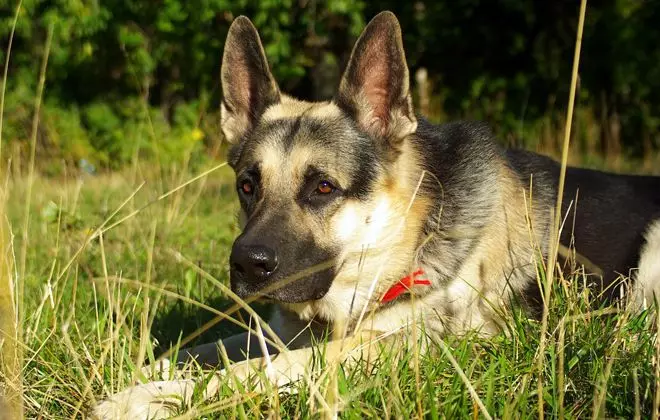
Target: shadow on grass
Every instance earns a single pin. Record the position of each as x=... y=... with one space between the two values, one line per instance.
x=182 y=319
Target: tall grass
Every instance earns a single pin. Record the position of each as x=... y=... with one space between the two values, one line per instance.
x=95 y=307
x=556 y=225
x=11 y=403
x=11 y=393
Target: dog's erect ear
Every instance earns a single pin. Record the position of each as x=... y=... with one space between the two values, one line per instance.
x=248 y=87
x=375 y=88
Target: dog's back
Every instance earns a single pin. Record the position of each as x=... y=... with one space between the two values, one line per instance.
x=605 y=215
x=605 y=222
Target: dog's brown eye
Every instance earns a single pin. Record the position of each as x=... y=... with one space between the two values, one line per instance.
x=247 y=187
x=325 y=187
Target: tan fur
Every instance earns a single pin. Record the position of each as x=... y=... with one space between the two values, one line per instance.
x=477 y=297
x=292 y=108
x=500 y=263
x=374 y=258
x=232 y=125
x=284 y=171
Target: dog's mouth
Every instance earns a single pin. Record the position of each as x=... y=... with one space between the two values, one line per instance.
x=296 y=288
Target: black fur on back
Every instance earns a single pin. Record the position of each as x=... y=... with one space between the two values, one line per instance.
x=608 y=213
x=606 y=224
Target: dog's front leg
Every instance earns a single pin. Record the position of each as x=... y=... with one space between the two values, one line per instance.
x=291 y=366
x=161 y=399
x=157 y=399
x=290 y=333
x=153 y=400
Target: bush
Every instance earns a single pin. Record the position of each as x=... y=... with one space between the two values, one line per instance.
x=507 y=62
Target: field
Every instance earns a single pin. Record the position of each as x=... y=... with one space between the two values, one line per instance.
x=110 y=268
x=114 y=268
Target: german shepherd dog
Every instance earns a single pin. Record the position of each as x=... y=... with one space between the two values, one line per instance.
x=359 y=215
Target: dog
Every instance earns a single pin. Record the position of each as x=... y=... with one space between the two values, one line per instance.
x=361 y=217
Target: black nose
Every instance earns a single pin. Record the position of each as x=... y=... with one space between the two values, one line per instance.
x=253 y=262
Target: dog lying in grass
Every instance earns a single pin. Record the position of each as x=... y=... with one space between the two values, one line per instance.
x=362 y=222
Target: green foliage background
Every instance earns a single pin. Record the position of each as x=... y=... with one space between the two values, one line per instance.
x=131 y=78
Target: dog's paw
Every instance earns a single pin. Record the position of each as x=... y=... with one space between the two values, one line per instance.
x=159 y=371
x=153 y=400
x=165 y=370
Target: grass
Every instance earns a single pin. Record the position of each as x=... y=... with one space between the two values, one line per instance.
x=109 y=277
x=94 y=309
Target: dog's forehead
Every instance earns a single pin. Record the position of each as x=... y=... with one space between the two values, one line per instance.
x=294 y=136
x=283 y=168
x=290 y=107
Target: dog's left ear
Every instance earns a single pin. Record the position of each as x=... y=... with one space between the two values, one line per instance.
x=375 y=87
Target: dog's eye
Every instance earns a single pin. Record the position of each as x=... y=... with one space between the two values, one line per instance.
x=318 y=190
x=325 y=187
x=247 y=188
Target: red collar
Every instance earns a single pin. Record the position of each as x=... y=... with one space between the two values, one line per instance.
x=404 y=286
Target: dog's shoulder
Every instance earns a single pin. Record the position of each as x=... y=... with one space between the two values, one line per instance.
x=526 y=163
x=459 y=150
x=466 y=136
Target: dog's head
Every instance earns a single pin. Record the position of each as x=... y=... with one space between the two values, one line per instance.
x=324 y=187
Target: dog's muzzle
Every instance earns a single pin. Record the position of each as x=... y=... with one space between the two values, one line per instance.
x=252 y=264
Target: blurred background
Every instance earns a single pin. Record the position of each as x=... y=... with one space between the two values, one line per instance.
x=129 y=79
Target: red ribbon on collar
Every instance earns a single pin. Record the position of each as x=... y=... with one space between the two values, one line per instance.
x=404 y=286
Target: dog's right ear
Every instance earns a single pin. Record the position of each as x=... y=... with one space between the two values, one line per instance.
x=248 y=87
x=375 y=88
